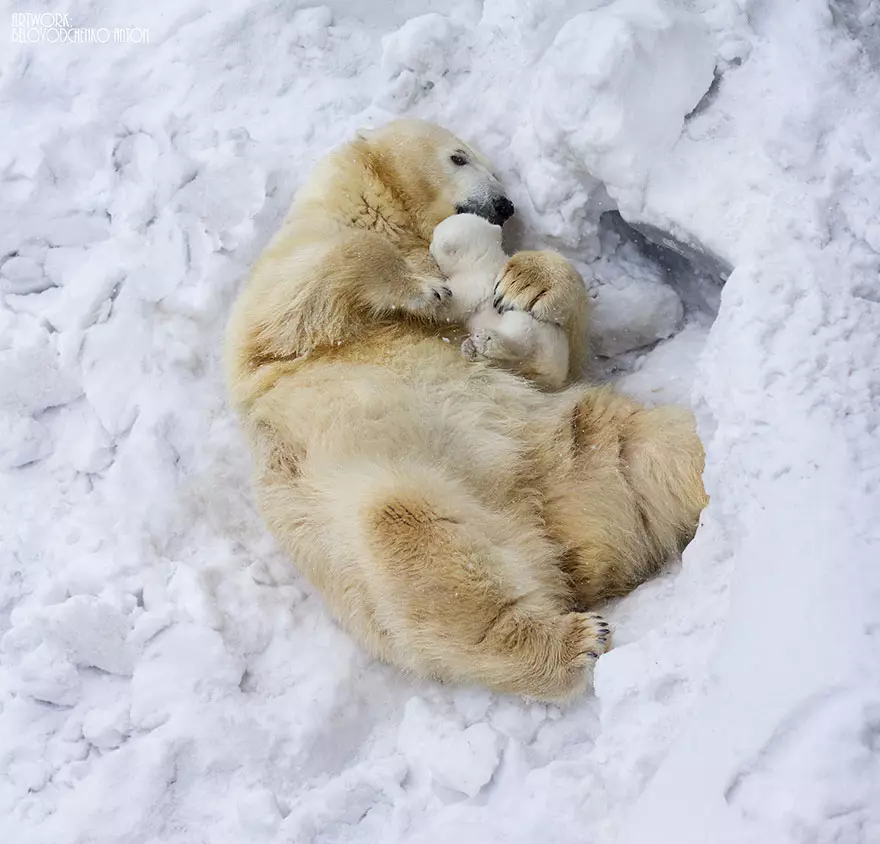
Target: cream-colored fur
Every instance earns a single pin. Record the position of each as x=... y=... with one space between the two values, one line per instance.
x=468 y=252
x=457 y=521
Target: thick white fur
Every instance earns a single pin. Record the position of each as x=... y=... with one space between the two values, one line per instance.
x=468 y=252
x=458 y=521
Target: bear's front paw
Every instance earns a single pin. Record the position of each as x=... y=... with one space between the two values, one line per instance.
x=429 y=296
x=473 y=347
x=484 y=345
x=543 y=284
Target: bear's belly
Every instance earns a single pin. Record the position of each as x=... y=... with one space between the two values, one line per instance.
x=414 y=401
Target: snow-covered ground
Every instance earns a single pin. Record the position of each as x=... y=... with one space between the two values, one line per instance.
x=166 y=674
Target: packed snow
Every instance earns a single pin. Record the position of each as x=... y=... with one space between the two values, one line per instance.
x=713 y=169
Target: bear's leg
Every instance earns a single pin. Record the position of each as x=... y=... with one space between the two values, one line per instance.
x=629 y=493
x=516 y=340
x=469 y=594
x=662 y=459
x=548 y=358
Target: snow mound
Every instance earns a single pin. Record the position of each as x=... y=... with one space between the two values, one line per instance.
x=615 y=87
x=426 y=51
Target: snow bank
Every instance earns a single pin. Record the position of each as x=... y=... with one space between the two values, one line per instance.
x=165 y=673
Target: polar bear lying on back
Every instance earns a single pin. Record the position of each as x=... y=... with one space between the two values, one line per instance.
x=468 y=252
x=459 y=522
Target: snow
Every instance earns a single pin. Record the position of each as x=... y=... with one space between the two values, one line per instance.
x=167 y=675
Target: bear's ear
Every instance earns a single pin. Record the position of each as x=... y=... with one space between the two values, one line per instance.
x=449 y=248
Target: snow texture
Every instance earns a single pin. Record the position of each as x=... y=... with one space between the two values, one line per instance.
x=166 y=675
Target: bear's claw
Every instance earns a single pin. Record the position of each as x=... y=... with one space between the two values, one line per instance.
x=595 y=633
x=432 y=294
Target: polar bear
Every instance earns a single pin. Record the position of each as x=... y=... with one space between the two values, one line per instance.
x=467 y=249
x=457 y=520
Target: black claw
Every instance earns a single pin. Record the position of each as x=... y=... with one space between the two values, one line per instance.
x=447 y=291
x=496 y=302
x=592 y=654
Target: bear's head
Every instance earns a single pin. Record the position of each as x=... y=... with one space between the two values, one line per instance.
x=466 y=242
x=434 y=174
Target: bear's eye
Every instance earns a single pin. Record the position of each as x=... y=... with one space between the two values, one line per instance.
x=458 y=159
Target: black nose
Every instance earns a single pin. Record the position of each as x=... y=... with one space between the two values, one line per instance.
x=503 y=209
